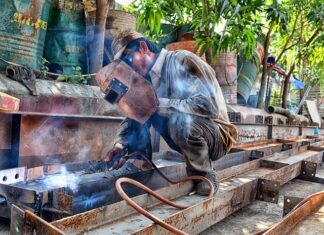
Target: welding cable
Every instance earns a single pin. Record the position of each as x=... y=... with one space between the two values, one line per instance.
x=305 y=200
x=147 y=214
x=151 y=163
x=159 y=197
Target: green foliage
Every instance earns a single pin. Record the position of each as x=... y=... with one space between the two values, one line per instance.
x=275 y=98
x=76 y=78
x=220 y=25
x=43 y=67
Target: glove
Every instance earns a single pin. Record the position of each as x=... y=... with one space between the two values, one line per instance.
x=116 y=157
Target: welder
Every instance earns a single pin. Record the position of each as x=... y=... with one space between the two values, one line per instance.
x=177 y=93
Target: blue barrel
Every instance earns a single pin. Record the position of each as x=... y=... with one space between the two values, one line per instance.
x=65 y=45
x=23 y=25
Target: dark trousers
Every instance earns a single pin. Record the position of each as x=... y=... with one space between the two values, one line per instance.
x=197 y=138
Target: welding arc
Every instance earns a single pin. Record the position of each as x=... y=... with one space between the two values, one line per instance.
x=159 y=197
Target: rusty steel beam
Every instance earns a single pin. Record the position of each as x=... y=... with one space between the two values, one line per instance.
x=237 y=189
x=36 y=139
x=313 y=204
x=102 y=188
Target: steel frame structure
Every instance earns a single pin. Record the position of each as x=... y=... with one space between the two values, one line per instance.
x=258 y=176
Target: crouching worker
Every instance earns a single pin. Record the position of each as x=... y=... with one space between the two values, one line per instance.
x=174 y=91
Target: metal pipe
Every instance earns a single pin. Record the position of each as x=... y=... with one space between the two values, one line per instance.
x=286 y=112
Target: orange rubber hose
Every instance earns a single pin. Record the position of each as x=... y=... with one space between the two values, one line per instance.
x=159 y=197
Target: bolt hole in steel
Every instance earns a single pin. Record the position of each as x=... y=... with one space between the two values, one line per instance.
x=10 y=72
x=4 y=178
x=16 y=176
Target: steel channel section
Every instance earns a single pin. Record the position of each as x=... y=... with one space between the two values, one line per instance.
x=196 y=218
x=50 y=138
x=234 y=194
x=95 y=190
x=289 y=223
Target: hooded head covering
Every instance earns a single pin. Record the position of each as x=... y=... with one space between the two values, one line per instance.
x=121 y=41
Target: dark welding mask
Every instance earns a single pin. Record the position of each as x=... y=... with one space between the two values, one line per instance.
x=134 y=95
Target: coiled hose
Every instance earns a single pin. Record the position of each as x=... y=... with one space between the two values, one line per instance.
x=144 y=212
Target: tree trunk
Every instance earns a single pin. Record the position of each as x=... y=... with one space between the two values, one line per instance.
x=97 y=48
x=209 y=58
x=299 y=56
x=302 y=78
x=286 y=87
x=265 y=70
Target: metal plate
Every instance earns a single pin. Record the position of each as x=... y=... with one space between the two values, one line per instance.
x=268 y=190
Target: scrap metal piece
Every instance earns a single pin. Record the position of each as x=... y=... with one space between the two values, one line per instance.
x=234 y=116
x=286 y=147
x=258 y=119
x=290 y=203
x=268 y=120
x=308 y=172
x=305 y=143
x=23 y=75
x=11 y=176
x=256 y=154
x=268 y=190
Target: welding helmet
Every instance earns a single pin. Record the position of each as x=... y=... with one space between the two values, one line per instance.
x=134 y=95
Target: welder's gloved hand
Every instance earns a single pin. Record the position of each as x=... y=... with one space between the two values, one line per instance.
x=117 y=155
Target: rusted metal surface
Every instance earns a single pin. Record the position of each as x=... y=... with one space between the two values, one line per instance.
x=119 y=210
x=94 y=190
x=284 y=131
x=34 y=225
x=290 y=203
x=291 y=220
x=308 y=172
x=268 y=190
x=22 y=31
x=53 y=139
x=248 y=133
x=236 y=191
x=311 y=225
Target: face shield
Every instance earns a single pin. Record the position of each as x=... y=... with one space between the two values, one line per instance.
x=134 y=95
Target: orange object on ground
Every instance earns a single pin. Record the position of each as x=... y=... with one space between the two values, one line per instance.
x=8 y=103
